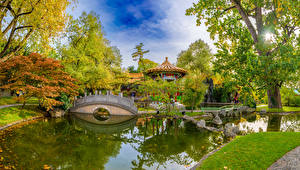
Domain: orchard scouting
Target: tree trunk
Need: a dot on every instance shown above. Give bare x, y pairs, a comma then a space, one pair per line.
23, 104
193, 104
274, 123
274, 98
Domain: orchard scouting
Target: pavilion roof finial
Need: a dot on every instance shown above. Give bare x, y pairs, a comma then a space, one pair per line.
166, 66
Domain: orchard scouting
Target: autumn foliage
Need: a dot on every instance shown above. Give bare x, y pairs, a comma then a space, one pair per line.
37, 76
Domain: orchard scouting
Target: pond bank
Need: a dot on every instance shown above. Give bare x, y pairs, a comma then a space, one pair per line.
14, 114
21, 122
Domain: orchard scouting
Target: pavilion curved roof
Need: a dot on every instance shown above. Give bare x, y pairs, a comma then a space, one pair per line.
166, 66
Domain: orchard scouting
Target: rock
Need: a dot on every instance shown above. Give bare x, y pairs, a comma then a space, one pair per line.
213, 129
236, 130
236, 113
215, 113
250, 110
231, 131
208, 115
217, 120
243, 109
201, 124
222, 113
229, 113
56, 112
186, 117
263, 111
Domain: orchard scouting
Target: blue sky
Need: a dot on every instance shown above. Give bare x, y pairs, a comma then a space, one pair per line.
160, 24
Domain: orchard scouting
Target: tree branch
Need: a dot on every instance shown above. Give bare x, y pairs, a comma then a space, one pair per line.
21, 27
9, 8
29, 12
8, 26
18, 47
246, 20
8, 41
258, 19
288, 33
4, 11
12, 35
227, 9
14, 20
26, 13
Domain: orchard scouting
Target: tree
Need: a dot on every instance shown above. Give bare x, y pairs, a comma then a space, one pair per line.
145, 64
37, 76
160, 90
197, 56
21, 20
197, 59
259, 34
88, 56
194, 88
131, 69
139, 56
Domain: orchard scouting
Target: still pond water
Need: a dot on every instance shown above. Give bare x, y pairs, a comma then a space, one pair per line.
123, 142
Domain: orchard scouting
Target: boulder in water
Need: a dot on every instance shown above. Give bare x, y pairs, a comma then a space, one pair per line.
56, 112
263, 111
217, 120
231, 131
222, 113
201, 124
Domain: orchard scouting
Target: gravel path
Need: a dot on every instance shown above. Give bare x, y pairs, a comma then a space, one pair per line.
290, 161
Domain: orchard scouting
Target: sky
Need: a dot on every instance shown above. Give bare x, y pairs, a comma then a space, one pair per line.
161, 25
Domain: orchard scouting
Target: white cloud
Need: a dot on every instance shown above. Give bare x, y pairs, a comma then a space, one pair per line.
181, 30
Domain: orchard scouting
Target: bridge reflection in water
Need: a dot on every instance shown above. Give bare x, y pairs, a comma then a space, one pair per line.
114, 124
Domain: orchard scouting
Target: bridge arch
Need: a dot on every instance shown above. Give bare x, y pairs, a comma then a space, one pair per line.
116, 105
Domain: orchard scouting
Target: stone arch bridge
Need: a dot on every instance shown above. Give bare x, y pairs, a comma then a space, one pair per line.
115, 105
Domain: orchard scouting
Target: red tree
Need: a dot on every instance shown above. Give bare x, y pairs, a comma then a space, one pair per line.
37, 76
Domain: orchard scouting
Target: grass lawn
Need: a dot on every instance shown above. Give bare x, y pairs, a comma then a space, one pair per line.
284, 109
146, 109
12, 114
253, 151
11, 100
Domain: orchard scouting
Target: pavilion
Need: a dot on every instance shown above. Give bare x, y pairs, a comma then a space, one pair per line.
166, 71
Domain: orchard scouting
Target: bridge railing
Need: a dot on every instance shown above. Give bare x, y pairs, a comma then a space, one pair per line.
108, 99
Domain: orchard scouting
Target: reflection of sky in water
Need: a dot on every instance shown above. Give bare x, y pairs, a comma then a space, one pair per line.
121, 160
289, 123
258, 125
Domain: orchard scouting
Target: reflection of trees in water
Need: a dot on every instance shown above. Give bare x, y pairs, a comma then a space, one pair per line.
286, 123
274, 123
58, 144
291, 123
165, 142
63, 144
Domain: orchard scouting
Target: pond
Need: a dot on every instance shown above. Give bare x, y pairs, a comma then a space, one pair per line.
122, 142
